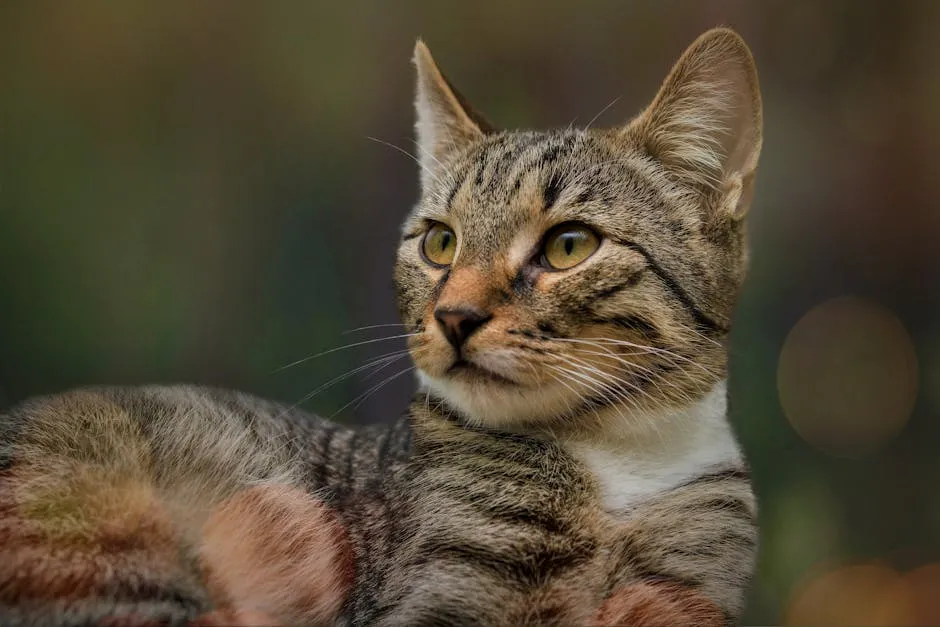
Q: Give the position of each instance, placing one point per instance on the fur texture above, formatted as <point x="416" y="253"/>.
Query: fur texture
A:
<point x="567" y="457"/>
<point x="283" y="536"/>
<point x="657" y="603"/>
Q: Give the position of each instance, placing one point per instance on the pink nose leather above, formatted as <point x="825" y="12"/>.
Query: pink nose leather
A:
<point x="458" y="324"/>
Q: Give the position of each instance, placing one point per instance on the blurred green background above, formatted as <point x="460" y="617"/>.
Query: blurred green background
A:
<point x="188" y="193"/>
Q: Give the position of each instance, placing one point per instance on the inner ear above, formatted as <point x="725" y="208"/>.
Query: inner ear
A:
<point x="705" y="123"/>
<point x="445" y="122"/>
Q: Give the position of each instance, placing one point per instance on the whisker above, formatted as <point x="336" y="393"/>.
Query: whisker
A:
<point x="578" y="379"/>
<point x="631" y="403"/>
<point x="451" y="174"/>
<point x="570" y="414"/>
<point x="362" y="397"/>
<point x="381" y="361"/>
<point x="616" y="389"/>
<point x="373" y="326"/>
<point x="653" y="349"/>
<point x="385" y="365"/>
<point x="654" y="378"/>
<point x="567" y="375"/>
<point x="580" y="341"/>
<point x="405" y="152"/>
<point x="701" y="335"/>
<point x="601" y="112"/>
<point x="619" y="380"/>
<point x="339" y="348"/>
<point x="611" y="353"/>
<point x="535" y="373"/>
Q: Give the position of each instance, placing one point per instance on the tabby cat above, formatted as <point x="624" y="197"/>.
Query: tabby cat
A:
<point x="566" y="459"/>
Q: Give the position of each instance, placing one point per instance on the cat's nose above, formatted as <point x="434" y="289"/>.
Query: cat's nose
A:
<point x="459" y="324"/>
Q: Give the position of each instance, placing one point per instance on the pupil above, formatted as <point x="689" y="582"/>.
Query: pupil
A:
<point x="445" y="241"/>
<point x="569" y="244"/>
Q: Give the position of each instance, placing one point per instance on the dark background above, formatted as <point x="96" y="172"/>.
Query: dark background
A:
<point x="188" y="193"/>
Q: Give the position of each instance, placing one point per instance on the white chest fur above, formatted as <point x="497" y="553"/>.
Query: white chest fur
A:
<point x="679" y="446"/>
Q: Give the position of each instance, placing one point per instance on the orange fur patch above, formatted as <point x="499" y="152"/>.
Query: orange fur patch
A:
<point x="56" y="544"/>
<point x="655" y="604"/>
<point x="277" y="551"/>
<point x="234" y="618"/>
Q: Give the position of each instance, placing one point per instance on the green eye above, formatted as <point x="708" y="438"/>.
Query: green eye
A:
<point x="568" y="245"/>
<point x="439" y="245"/>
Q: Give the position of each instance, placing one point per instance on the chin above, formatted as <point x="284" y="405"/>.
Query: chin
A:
<point x="498" y="402"/>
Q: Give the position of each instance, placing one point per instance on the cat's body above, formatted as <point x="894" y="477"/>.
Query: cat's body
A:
<point x="567" y="459"/>
<point x="520" y="517"/>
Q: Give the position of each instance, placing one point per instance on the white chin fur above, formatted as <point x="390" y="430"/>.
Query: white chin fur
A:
<point x="495" y="405"/>
<point x="505" y="406"/>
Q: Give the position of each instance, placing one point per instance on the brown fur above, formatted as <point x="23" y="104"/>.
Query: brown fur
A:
<point x="78" y="519"/>
<point x="487" y="503"/>
<point x="236" y="618"/>
<point x="654" y="604"/>
<point x="93" y="505"/>
<point x="47" y="555"/>
<point x="283" y="536"/>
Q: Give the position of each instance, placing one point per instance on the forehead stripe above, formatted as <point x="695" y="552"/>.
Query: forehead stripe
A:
<point x="681" y="295"/>
<point x="505" y="161"/>
<point x="553" y="188"/>
<point x="540" y="151"/>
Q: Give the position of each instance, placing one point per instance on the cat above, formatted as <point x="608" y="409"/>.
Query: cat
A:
<point x="566" y="459"/>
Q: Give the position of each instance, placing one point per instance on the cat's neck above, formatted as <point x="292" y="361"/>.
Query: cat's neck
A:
<point x="636" y="455"/>
<point x="652" y="431"/>
<point x="620" y="427"/>
<point x="633" y="455"/>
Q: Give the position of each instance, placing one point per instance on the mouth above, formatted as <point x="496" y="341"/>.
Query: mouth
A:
<point x="468" y="370"/>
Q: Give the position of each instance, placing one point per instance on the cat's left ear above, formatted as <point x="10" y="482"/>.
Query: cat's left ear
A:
<point x="705" y="123"/>
<point x="445" y="122"/>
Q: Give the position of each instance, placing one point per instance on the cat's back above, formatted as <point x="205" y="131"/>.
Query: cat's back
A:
<point x="160" y="426"/>
<point x="191" y="436"/>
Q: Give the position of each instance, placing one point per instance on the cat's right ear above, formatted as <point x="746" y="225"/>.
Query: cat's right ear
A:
<point x="445" y="123"/>
<point x="705" y="123"/>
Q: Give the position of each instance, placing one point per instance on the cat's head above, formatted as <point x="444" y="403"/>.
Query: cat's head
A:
<point x="548" y="275"/>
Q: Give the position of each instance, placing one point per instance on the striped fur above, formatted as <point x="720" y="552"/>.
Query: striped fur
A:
<point x="568" y="462"/>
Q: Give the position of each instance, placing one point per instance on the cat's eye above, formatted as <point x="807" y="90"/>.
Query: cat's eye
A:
<point x="439" y="245"/>
<point x="567" y="245"/>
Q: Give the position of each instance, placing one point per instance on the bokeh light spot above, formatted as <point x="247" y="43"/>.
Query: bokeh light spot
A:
<point x="849" y="595"/>
<point x="847" y="376"/>
<point x="921" y="595"/>
<point x="868" y="594"/>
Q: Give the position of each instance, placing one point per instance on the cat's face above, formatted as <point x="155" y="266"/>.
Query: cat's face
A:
<point x="548" y="276"/>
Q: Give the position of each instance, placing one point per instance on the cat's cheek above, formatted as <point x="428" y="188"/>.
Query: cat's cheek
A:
<point x="659" y="603"/>
<point x="276" y="552"/>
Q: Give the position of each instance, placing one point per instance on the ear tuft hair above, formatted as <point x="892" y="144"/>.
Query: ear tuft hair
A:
<point x="705" y="123"/>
